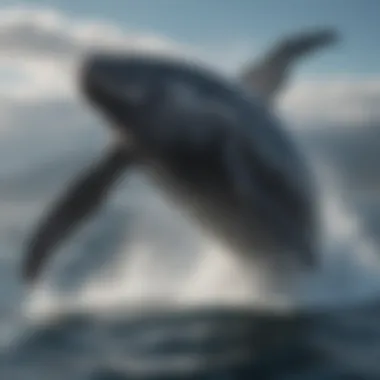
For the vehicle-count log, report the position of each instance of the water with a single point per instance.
(218, 344)
(108, 308)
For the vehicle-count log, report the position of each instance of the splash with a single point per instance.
(349, 272)
(167, 262)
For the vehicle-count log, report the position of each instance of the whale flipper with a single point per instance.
(78, 203)
(269, 75)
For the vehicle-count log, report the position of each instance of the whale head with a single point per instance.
(156, 101)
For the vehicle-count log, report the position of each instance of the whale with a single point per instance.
(212, 143)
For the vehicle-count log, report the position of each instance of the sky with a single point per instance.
(254, 23)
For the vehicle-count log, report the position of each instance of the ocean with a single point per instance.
(139, 293)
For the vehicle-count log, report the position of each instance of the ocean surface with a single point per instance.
(139, 293)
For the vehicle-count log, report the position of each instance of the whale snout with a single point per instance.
(115, 79)
(94, 75)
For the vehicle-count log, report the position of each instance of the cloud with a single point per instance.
(45, 46)
(47, 33)
(339, 101)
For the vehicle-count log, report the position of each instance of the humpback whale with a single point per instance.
(211, 142)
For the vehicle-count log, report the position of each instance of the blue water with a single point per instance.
(338, 338)
(217, 344)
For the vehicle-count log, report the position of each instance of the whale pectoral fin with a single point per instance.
(267, 77)
(79, 202)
